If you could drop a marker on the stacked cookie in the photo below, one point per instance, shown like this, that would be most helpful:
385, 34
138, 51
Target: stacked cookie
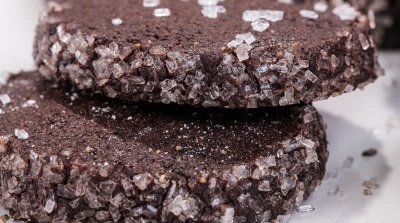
230, 137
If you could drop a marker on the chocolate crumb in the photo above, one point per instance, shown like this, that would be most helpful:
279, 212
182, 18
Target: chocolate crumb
370, 152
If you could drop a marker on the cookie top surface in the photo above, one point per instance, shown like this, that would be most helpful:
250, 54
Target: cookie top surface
187, 30
70, 155
234, 54
59, 119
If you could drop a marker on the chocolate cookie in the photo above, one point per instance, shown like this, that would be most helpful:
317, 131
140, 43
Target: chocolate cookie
71, 156
233, 54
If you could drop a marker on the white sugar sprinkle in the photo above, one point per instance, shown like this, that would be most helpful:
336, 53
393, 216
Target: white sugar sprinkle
116, 21
151, 3
286, 1
234, 43
242, 51
371, 18
29, 103
321, 6
21, 134
304, 209
207, 2
309, 14
4, 77
345, 12
5, 99
270, 15
364, 41
162, 12
210, 12
246, 37
260, 25
210, 9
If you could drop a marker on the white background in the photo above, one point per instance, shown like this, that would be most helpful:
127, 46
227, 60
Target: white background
356, 122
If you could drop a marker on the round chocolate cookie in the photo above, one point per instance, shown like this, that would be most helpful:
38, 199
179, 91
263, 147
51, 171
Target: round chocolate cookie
233, 54
71, 156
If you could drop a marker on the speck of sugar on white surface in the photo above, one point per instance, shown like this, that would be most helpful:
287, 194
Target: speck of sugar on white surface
305, 209
309, 14
116, 21
162, 12
21, 134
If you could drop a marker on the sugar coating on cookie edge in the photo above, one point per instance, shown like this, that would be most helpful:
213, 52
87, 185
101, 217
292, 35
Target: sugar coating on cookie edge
267, 70
81, 164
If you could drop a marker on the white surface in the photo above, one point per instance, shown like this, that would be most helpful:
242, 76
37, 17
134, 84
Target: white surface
356, 122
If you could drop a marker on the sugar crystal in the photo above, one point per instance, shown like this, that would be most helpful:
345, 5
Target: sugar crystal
5, 99
309, 14
151, 3
305, 208
304, 63
269, 15
242, 52
246, 37
207, 2
183, 207
158, 50
142, 180
21, 134
345, 12
210, 12
241, 172
348, 88
371, 19
321, 6
285, 1
234, 43
152, 208
260, 25
228, 215
311, 76
264, 186
162, 12
334, 61
56, 48
116, 21
312, 156
283, 218
49, 207
364, 41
